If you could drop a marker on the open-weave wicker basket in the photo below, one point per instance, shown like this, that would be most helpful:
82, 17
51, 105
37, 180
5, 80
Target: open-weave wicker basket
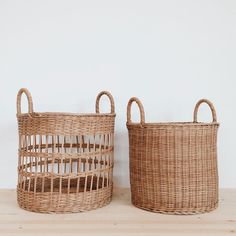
173, 166
65, 159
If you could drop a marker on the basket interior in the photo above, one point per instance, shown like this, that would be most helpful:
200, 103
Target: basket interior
65, 164
59, 185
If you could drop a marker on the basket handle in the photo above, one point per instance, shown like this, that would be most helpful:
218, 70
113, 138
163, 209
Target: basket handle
30, 101
110, 98
210, 104
141, 109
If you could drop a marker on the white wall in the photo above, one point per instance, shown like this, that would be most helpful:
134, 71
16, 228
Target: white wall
168, 53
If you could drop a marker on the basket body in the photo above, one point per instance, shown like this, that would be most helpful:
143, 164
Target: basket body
173, 167
65, 161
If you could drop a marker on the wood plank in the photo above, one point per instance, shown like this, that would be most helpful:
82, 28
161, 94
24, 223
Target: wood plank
118, 218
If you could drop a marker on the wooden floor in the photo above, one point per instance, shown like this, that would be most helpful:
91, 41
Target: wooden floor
118, 218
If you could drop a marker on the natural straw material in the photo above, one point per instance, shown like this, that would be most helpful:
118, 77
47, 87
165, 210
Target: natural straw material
65, 160
173, 166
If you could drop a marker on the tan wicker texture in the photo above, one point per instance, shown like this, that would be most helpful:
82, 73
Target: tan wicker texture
173, 166
65, 160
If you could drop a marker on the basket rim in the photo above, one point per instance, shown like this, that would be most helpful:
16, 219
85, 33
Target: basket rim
70, 114
171, 124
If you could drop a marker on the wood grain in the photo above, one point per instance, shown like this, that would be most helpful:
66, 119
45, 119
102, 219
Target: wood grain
118, 218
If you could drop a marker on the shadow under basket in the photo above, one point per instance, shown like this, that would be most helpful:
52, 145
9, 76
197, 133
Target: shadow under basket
65, 160
173, 166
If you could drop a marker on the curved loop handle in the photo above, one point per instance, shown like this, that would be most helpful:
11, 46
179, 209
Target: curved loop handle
213, 111
30, 101
110, 98
141, 109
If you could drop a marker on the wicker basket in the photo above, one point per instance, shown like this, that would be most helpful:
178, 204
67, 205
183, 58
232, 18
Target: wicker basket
173, 166
65, 160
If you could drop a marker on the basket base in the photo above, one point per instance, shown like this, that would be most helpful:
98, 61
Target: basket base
64, 202
192, 211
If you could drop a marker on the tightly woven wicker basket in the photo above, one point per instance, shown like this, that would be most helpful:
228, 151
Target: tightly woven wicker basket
173, 166
65, 160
